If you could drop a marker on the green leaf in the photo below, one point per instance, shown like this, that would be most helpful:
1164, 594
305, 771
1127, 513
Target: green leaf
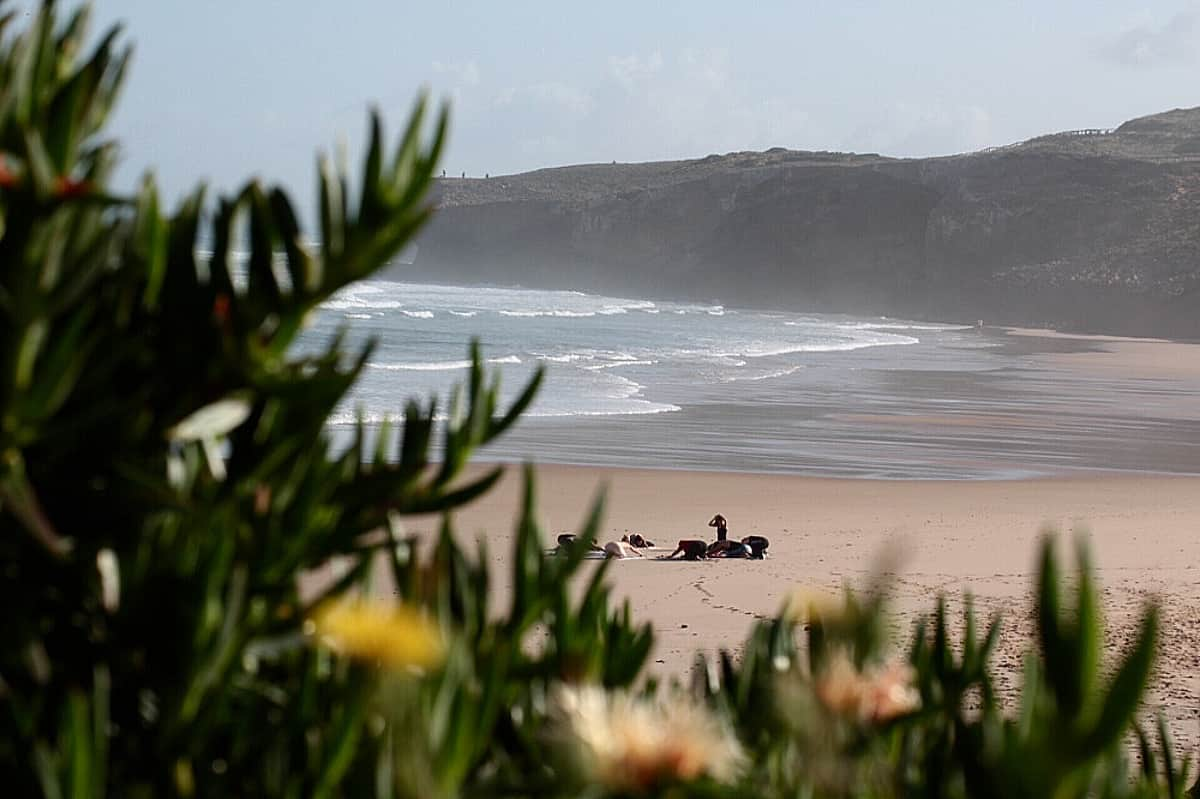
1168, 752
438, 503
1088, 626
150, 234
339, 755
81, 746
333, 213
28, 350
1055, 643
369, 208
519, 405
41, 168
1125, 691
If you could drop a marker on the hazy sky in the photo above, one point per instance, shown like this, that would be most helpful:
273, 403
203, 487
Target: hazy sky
223, 88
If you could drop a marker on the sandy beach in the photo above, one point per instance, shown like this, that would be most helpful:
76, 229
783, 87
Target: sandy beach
942, 536
946, 537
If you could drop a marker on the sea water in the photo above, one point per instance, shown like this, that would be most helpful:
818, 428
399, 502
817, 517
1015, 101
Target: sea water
636, 382
604, 356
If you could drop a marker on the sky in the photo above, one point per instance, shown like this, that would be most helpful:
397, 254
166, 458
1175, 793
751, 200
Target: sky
224, 89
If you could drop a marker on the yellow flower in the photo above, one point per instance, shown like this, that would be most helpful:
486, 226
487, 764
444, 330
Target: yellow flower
632, 744
875, 695
388, 633
806, 604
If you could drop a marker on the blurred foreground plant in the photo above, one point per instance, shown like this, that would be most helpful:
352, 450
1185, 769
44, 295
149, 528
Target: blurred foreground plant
165, 474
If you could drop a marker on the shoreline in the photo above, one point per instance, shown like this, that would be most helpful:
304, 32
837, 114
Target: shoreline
1038, 404
933, 535
1080, 474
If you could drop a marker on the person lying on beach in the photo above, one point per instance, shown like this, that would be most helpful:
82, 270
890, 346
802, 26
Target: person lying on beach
728, 549
758, 546
722, 526
637, 540
691, 549
620, 549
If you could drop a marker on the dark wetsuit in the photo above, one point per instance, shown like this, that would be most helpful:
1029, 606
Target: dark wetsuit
757, 544
738, 550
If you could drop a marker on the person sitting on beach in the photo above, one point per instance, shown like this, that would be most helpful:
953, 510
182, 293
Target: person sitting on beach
637, 540
722, 526
758, 546
620, 549
691, 549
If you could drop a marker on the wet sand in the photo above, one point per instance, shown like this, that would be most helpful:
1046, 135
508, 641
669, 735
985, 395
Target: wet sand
1001, 404
952, 537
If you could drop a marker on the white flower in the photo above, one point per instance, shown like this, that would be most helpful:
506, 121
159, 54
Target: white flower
633, 744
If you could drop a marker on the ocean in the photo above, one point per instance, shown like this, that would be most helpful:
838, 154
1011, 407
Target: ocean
641, 383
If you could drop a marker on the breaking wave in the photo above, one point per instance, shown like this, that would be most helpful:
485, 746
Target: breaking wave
437, 366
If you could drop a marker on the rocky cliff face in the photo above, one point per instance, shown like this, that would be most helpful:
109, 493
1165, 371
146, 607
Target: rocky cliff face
1094, 230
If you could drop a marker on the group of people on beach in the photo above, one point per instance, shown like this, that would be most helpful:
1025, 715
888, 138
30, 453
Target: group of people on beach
752, 547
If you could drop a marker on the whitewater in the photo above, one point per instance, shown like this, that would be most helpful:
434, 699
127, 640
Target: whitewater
605, 356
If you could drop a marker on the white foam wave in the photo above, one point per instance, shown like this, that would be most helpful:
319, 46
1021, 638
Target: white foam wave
418, 314
437, 366
552, 312
358, 316
631, 305
511, 302
899, 326
355, 303
615, 364
754, 378
430, 366
767, 350
570, 357
366, 295
642, 409
637, 408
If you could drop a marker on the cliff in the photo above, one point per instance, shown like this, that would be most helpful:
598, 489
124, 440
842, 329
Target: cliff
1095, 230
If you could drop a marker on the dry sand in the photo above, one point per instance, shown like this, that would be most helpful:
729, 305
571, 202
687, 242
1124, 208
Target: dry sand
951, 537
